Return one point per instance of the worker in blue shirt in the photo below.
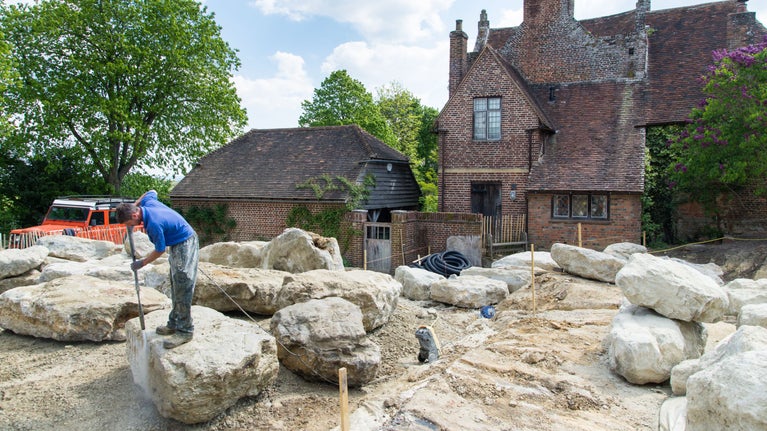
(168, 231)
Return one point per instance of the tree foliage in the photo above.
(396, 117)
(27, 187)
(342, 100)
(412, 124)
(724, 144)
(8, 78)
(658, 201)
(122, 84)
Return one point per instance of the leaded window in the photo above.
(487, 118)
(580, 206)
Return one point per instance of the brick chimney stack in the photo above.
(642, 9)
(541, 12)
(483, 31)
(742, 7)
(458, 56)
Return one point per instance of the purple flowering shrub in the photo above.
(723, 144)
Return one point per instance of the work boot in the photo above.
(165, 330)
(177, 339)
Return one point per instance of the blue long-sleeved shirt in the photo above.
(164, 226)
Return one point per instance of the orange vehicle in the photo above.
(90, 217)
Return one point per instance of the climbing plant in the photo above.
(328, 222)
(212, 224)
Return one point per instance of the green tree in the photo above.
(412, 124)
(27, 187)
(427, 156)
(402, 113)
(135, 184)
(723, 147)
(8, 78)
(341, 100)
(658, 201)
(126, 83)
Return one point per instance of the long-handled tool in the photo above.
(135, 277)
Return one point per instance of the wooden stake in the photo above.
(532, 275)
(365, 259)
(344, 398)
(580, 242)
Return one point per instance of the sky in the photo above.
(288, 47)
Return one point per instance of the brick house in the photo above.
(548, 119)
(259, 176)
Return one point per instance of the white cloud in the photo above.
(421, 70)
(275, 102)
(391, 20)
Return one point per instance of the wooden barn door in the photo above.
(378, 246)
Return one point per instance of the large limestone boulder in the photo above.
(229, 289)
(672, 289)
(743, 291)
(673, 414)
(141, 242)
(711, 269)
(115, 267)
(526, 259)
(295, 250)
(416, 282)
(745, 339)
(234, 254)
(75, 308)
(515, 279)
(14, 261)
(75, 248)
(228, 359)
(28, 278)
(319, 336)
(375, 293)
(586, 263)
(624, 250)
(730, 394)
(643, 346)
(753, 315)
(469, 291)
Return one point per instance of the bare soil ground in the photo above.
(521, 370)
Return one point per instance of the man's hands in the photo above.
(137, 264)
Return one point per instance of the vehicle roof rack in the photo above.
(98, 198)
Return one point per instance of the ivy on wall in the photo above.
(212, 224)
(328, 222)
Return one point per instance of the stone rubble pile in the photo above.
(68, 288)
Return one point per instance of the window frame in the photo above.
(588, 213)
(490, 118)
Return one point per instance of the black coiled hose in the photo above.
(446, 263)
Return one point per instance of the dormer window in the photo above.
(487, 118)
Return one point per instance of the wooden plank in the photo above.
(343, 389)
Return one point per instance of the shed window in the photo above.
(580, 206)
(487, 118)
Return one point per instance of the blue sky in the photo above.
(287, 47)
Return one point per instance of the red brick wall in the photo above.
(413, 234)
(624, 225)
(417, 234)
(506, 161)
(742, 215)
(255, 220)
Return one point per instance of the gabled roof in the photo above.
(516, 78)
(598, 146)
(269, 164)
(681, 41)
